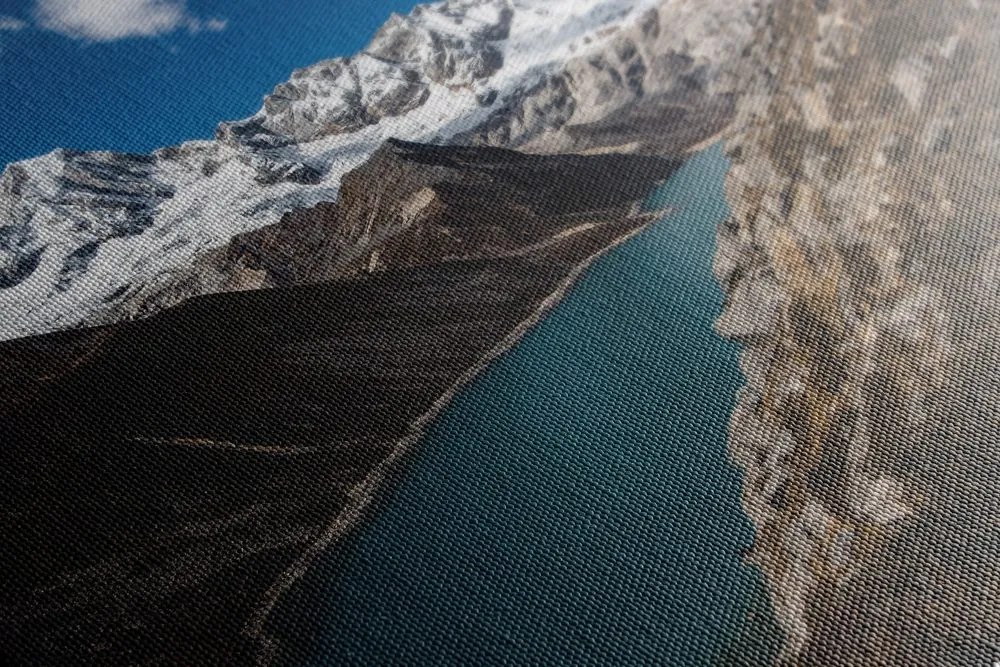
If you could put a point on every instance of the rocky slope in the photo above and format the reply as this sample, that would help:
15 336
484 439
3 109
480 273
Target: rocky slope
99 237
203 457
862 267
445 210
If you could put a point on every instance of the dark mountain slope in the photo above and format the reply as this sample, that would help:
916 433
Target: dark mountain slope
164 480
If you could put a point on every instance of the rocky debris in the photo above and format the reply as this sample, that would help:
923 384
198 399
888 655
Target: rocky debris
857 265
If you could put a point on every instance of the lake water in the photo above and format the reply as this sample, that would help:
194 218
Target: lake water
575 504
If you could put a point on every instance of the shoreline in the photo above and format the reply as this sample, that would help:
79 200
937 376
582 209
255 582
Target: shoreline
438 529
367 492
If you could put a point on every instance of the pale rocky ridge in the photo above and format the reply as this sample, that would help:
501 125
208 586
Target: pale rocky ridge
861 271
90 238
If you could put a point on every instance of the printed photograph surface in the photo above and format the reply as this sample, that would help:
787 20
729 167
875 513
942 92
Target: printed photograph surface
500 332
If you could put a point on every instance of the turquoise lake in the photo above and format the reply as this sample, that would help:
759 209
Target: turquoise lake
575 503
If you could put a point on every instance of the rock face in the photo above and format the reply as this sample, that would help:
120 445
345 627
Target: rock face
457 45
100 237
204 457
861 267
443 210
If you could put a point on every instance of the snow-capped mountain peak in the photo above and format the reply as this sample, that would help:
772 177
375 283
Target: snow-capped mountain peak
101 236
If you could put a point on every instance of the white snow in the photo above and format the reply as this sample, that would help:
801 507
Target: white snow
207 210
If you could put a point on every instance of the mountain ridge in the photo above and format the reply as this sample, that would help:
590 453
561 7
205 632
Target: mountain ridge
96 237
127 539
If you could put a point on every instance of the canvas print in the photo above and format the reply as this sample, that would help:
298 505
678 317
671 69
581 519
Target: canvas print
500 332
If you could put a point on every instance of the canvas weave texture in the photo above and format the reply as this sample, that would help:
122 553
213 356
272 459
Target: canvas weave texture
503 332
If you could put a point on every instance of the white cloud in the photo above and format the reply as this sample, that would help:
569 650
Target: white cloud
216 25
11 24
210 25
108 20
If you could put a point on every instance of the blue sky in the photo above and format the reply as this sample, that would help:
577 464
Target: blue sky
134 75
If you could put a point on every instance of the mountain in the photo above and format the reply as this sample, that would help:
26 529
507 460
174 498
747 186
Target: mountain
203 457
404 245
862 272
96 237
